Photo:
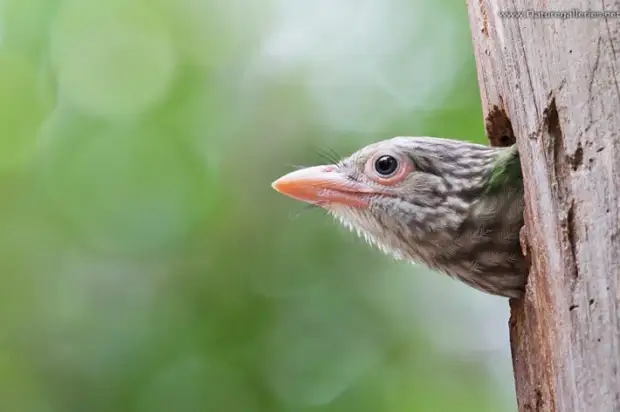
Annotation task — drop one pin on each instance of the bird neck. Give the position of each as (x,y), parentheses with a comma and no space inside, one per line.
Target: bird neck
(483,237)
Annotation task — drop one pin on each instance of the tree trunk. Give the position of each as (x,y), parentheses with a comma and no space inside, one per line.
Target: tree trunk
(555,83)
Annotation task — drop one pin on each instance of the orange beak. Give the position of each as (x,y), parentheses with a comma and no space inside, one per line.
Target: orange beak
(323,185)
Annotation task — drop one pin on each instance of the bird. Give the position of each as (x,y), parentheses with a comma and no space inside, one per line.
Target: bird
(451,205)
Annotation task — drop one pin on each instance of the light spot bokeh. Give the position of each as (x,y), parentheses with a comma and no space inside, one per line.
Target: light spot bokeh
(146,263)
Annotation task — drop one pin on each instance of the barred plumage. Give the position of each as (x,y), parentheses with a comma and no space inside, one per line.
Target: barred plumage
(457,208)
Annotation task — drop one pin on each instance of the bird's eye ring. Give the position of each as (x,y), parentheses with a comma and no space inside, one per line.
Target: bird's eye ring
(388,170)
(386,165)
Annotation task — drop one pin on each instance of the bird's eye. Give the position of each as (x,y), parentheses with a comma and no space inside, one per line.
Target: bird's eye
(388,170)
(386,165)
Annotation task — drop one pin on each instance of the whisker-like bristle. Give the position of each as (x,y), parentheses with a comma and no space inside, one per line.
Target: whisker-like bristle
(328,154)
(325,157)
(335,154)
(305,208)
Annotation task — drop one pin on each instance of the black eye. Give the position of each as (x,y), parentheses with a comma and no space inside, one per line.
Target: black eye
(386,165)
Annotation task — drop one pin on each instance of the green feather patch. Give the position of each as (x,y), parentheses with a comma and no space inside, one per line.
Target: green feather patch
(507,171)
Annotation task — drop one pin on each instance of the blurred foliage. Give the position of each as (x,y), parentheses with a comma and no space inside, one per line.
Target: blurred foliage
(146,264)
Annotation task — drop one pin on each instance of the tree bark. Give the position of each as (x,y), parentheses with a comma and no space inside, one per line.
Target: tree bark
(553,83)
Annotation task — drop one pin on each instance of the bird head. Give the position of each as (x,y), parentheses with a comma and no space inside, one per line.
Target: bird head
(407,195)
(453,205)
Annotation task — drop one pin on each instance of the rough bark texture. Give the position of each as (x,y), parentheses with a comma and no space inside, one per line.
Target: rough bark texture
(555,84)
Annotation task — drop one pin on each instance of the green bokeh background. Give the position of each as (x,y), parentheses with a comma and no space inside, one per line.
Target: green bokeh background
(145,262)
